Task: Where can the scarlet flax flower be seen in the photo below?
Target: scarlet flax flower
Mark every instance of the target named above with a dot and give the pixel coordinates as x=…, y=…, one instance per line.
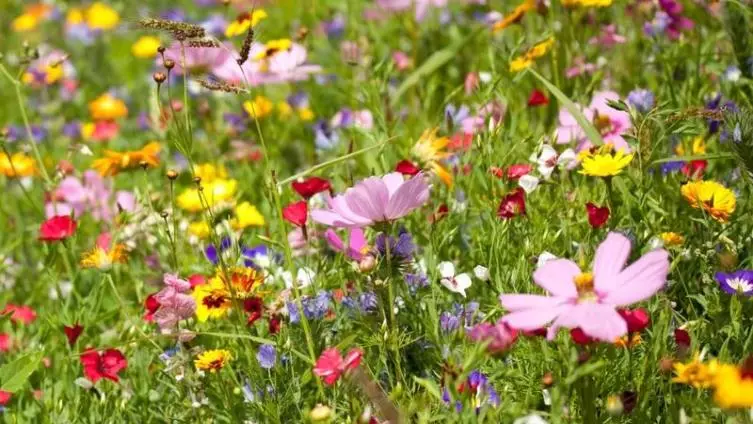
x=589, y=300
x=407, y=167
x=331, y=365
x=296, y=213
x=73, y=332
x=537, y=98
x=597, y=215
x=311, y=186
x=57, y=228
x=513, y=204
x=107, y=364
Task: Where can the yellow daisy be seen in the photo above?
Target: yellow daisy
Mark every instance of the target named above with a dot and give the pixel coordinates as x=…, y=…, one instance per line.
x=114, y=162
x=526, y=60
x=214, y=192
x=672, y=239
x=514, y=16
x=243, y=22
x=586, y=3
x=146, y=47
x=695, y=373
x=259, y=108
x=103, y=259
x=429, y=150
x=734, y=386
x=101, y=16
x=106, y=107
x=716, y=199
x=212, y=360
x=213, y=300
x=17, y=165
x=247, y=215
x=605, y=164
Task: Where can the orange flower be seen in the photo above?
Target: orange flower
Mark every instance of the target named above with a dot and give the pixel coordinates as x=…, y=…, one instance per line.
x=107, y=107
x=514, y=16
x=114, y=162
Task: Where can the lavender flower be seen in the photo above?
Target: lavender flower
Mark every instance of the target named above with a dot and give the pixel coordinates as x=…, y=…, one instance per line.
x=401, y=249
x=367, y=302
x=641, y=99
x=267, y=356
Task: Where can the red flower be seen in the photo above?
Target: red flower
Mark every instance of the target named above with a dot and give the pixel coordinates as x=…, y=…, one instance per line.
x=73, y=333
x=537, y=98
x=682, y=338
x=407, y=167
x=22, y=314
x=5, y=342
x=103, y=365
x=331, y=364
x=57, y=228
x=539, y=332
x=197, y=280
x=497, y=171
x=311, y=186
x=597, y=216
x=274, y=324
x=513, y=204
x=637, y=320
x=695, y=168
x=5, y=397
x=255, y=307
x=296, y=213
x=515, y=171
x=460, y=141
x=152, y=305
x=579, y=337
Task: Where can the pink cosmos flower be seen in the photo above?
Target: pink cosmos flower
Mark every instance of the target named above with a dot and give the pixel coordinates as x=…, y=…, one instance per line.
x=374, y=200
x=91, y=193
x=589, y=300
x=175, y=304
x=200, y=60
x=357, y=245
x=611, y=123
x=275, y=68
x=331, y=365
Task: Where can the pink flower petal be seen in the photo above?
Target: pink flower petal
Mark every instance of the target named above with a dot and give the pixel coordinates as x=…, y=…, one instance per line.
x=640, y=280
x=610, y=259
x=557, y=277
x=532, y=319
x=518, y=302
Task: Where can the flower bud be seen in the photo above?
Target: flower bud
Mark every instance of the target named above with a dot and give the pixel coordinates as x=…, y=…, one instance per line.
x=367, y=263
x=169, y=64
x=159, y=77
x=172, y=174
x=320, y=413
x=614, y=405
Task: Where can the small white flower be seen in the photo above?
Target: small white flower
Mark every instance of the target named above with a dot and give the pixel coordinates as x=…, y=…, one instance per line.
x=528, y=183
x=84, y=383
x=304, y=277
x=481, y=272
x=485, y=77
x=549, y=159
x=454, y=283
x=544, y=257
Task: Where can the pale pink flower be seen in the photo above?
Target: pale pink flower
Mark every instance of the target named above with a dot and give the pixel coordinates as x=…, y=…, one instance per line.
x=357, y=246
x=608, y=37
x=279, y=67
x=199, y=60
x=421, y=6
x=92, y=194
x=374, y=200
x=175, y=304
x=580, y=67
x=611, y=123
x=589, y=301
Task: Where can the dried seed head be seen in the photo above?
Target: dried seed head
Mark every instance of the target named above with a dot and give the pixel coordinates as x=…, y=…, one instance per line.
x=197, y=180
x=179, y=30
x=246, y=48
x=159, y=77
x=172, y=174
x=163, y=214
x=203, y=43
x=169, y=64
x=219, y=86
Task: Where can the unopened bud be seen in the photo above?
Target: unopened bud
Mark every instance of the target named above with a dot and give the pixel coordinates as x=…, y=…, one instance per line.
x=172, y=174
x=547, y=380
x=161, y=49
x=666, y=365
x=367, y=263
x=614, y=405
x=320, y=413
x=164, y=214
x=169, y=64
x=159, y=77
x=197, y=180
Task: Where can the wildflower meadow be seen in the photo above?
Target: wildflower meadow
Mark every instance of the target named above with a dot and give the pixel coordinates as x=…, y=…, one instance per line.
x=376, y=211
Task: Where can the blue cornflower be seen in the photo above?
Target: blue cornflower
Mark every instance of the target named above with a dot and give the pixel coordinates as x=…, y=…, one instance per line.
x=267, y=356
x=367, y=301
x=641, y=99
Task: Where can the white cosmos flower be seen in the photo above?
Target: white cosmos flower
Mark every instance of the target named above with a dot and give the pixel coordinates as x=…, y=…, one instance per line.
x=549, y=159
x=528, y=183
x=454, y=283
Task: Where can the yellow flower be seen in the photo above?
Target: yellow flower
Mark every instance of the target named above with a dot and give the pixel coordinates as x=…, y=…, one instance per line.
x=605, y=164
x=243, y=281
x=716, y=199
x=114, y=162
x=698, y=148
x=53, y=72
x=306, y=114
x=102, y=259
x=101, y=16
x=199, y=229
x=672, y=239
x=146, y=47
x=18, y=165
x=429, y=149
x=244, y=21
x=695, y=373
x=628, y=341
x=215, y=192
x=734, y=386
x=527, y=59
x=514, y=16
x=208, y=172
x=246, y=215
x=212, y=360
x=272, y=47
x=32, y=16
x=213, y=300
x=586, y=3
x=284, y=109
x=75, y=16
x=106, y=107
x=259, y=107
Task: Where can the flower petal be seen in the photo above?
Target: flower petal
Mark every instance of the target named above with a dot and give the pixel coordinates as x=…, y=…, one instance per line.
x=557, y=277
x=532, y=319
x=610, y=259
x=640, y=280
x=517, y=302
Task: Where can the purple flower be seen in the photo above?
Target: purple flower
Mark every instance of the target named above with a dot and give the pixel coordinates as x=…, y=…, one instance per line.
x=72, y=129
x=334, y=27
x=448, y=322
x=367, y=302
x=267, y=356
x=374, y=200
x=641, y=99
x=324, y=136
x=401, y=249
x=213, y=254
x=738, y=282
x=257, y=256
x=416, y=281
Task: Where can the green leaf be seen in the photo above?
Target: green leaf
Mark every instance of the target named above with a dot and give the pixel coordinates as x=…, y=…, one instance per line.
x=583, y=371
x=430, y=387
x=14, y=375
x=587, y=127
x=693, y=157
x=434, y=62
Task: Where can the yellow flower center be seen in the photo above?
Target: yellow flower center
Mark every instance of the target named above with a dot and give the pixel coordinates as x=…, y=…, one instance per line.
x=584, y=284
x=603, y=124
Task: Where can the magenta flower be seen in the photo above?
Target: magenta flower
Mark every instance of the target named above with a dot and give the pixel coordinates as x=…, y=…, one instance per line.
x=500, y=336
x=357, y=246
x=611, y=123
x=374, y=200
x=589, y=300
x=175, y=304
